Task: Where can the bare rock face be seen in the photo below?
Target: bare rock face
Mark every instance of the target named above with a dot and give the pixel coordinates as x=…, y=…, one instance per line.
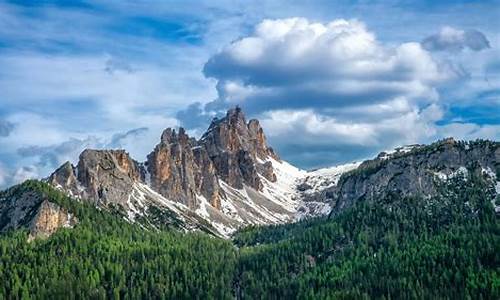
x=107, y=175
x=48, y=219
x=232, y=157
x=180, y=170
x=231, y=150
x=417, y=172
x=26, y=208
x=102, y=176
x=64, y=177
x=237, y=149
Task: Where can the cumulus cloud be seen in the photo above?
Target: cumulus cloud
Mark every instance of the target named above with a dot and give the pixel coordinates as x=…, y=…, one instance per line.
x=454, y=40
x=297, y=63
x=331, y=87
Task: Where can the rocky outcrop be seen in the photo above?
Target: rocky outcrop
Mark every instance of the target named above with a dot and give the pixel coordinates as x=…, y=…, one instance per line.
x=102, y=176
x=238, y=150
x=48, y=219
x=414, y=172
x=232, y=150
x=64, y=178
x=107, y=175
x=22, y=207
x=181, y=170
x=231, y=157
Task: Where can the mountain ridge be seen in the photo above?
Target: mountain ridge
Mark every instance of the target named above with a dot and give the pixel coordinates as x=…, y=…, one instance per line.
x=230, y=178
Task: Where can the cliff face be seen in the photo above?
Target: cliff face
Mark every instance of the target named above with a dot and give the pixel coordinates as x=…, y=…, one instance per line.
x=416, y=171
x=48, y=219
x=26, y=208
x=180, y=170
x=232, y=150
x=102, y=176
x=214, y=176
x=238, y=150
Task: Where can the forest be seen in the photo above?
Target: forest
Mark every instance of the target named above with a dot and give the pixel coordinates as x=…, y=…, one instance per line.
x=442, y=247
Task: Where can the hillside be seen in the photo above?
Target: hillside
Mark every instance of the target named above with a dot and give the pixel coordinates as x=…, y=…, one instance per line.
x=399, y=247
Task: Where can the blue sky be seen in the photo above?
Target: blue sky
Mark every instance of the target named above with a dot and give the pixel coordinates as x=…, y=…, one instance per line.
x=331, y=81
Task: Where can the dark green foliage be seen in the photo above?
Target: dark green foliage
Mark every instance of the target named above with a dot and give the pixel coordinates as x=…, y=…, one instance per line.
x=444, y=247
x=106, y=257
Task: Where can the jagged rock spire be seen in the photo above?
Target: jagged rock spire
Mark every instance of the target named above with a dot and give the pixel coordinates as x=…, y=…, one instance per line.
x=180, y=167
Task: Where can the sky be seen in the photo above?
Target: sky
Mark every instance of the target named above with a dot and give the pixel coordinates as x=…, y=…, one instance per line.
x=331, y=81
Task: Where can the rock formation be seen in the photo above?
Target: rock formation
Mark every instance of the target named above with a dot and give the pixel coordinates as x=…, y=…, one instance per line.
x=48, y=219
x=232, y=156
x=230, y=177
x=231, y=150
x=415, y=171
x=102, y=176
x=32, y=210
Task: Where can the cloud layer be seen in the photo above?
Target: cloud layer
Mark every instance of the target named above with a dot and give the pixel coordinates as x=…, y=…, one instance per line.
x=295, y=63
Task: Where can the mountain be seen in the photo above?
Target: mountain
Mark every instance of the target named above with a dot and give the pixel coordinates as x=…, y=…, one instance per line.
x=227, y=179
x=420, y=221
x=419, y=170
x=230, y=178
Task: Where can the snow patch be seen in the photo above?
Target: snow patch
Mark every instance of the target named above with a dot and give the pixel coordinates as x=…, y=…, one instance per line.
x=325, y=178
x=461, y=172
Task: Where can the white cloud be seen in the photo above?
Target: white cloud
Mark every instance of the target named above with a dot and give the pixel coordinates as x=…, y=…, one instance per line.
x=339, y=63
x=331, y=85
x=470, y=131
x=330, y=68
x=307, y=127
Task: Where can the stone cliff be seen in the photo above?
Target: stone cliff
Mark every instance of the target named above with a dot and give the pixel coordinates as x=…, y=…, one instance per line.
x=416, y=171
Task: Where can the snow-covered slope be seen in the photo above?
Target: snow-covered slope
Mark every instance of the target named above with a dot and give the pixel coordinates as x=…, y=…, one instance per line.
x=311, y=186
x=278, y=202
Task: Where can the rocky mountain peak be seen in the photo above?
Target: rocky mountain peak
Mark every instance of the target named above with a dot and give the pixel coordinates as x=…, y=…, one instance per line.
x=231, y=163
x=170, y=136
x=231, y=150
x=232, y=133
x=417, y=170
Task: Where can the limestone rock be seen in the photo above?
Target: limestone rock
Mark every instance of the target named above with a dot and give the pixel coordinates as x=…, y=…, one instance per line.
x=231, y=150
x=237, y=149
x=180, y=170
x=20, y=207
x=65, y=178
x=414, y=172
x=48, y=219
